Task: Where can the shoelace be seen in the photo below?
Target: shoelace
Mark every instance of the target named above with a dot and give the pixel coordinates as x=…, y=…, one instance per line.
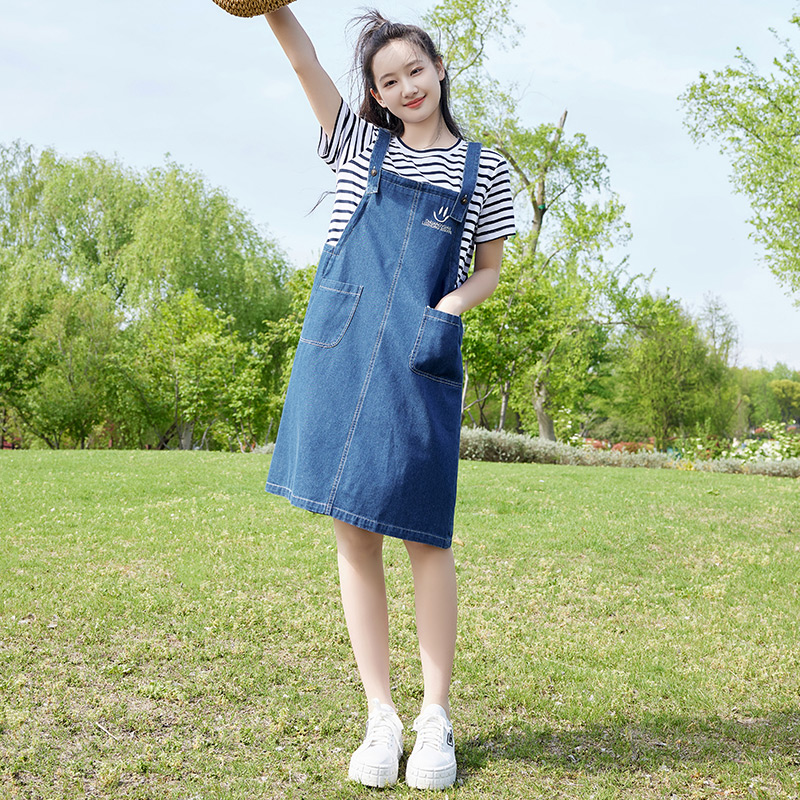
x=380, y=730
x=432, y=731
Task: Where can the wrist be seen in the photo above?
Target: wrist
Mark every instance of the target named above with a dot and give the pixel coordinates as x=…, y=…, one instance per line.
x=450, y=305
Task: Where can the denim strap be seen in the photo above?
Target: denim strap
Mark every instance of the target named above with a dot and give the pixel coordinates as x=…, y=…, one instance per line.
x=470, y=180
x=376, y=163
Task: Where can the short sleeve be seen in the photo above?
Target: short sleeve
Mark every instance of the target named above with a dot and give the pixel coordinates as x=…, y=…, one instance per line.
x=496, y=220
x=351, y=136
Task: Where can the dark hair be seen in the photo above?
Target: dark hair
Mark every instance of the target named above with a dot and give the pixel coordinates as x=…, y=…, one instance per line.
x=376, y=32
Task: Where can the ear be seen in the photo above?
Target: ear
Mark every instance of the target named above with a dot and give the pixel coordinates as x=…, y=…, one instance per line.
x=440, y=70
x=377, y=98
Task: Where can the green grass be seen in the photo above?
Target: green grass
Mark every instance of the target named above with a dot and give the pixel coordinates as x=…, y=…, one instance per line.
x=168, y=630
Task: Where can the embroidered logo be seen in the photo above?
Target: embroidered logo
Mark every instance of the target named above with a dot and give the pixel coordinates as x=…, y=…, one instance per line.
x=441, y=215
x=439, y=220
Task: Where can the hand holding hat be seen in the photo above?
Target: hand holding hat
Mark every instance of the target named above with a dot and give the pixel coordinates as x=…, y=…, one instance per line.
x=251, y=8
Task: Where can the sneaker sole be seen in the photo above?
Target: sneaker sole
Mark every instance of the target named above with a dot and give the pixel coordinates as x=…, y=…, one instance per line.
x=368, y=775
x=431, y=778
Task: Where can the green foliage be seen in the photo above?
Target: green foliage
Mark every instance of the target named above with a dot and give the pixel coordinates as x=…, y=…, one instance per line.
x=665, y=372
x=465, y=28
x=278, y=342
x=538, y=343
x=189, y=236
x=758, y=400
x=753, y=116
x=131, y=305
x=71, y=348
x=787, y=396
x=775, y=444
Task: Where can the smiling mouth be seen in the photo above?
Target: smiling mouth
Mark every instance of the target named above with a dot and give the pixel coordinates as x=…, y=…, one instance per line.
x=415, y=103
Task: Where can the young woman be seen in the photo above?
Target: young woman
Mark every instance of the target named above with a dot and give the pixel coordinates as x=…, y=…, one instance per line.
x=370, y=430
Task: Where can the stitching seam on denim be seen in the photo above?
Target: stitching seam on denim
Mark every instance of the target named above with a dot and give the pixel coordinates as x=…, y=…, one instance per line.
x=357, y=296
x=367, y=379
x=412, y=358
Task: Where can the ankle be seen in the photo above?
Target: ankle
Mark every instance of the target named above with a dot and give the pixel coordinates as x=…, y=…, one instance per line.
x=381, y=699
x=442, y=702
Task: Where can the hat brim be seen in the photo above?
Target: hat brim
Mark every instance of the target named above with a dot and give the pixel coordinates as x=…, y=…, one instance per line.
x=251, y=8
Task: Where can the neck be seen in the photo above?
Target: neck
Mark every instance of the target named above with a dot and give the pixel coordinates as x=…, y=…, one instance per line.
x=428, y=134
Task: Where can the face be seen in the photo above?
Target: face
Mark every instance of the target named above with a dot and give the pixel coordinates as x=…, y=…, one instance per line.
x=407, y=81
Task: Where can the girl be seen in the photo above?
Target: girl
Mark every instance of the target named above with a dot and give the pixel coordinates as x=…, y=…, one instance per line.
x=370, y=430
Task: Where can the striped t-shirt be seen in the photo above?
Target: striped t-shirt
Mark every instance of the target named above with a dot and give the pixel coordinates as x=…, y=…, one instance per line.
x=349, y=150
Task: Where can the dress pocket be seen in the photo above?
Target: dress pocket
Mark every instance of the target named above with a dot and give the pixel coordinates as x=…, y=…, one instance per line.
x=437, y=350
x=330, y=311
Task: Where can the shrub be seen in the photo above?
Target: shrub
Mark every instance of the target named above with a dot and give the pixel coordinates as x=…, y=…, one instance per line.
x=633, y=447
x=788, y=468
x=479, y=444
x=772, y=442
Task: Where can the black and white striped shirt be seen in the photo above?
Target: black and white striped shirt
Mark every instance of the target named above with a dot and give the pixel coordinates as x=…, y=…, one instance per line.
x=349, y=150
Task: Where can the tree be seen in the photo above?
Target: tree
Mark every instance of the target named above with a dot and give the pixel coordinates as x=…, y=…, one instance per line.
x=754, y=118
x=723, y=401
x=787, y=395
x=89, y=253
x=759, y=404
x=183, y=365
x=665, y=373
x=191, y=236
x=527, y=338
x=60, y=373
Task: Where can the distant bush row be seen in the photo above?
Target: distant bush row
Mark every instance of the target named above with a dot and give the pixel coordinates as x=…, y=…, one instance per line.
x=479, y=444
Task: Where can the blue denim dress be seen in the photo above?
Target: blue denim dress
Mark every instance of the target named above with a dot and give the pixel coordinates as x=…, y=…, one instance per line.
x=370, y=429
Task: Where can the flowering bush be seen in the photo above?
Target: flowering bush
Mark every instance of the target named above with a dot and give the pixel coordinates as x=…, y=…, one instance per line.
x=634, y=447
x=770, y=442
x=770, y=457
x=595, y=444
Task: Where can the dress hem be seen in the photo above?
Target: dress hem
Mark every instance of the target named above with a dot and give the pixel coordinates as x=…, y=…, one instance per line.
x=360, y=521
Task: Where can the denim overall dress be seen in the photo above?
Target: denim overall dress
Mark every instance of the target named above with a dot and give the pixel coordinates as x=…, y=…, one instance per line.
x=370, y=429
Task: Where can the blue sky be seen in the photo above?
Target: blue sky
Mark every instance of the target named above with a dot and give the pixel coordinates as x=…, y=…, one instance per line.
x=140, y=80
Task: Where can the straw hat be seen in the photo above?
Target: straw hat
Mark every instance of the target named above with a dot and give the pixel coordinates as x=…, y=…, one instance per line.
x=251, y=8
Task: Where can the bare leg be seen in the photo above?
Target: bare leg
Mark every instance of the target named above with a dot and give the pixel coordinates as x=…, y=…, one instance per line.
x=360, y=555
x=437, y=610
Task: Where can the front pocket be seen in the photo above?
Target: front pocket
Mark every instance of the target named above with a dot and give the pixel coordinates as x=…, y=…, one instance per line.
x=329, y=313
x=437, y=350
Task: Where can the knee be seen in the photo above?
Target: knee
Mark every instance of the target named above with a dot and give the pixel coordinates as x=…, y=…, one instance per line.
x=419, y=552
x=356, y=544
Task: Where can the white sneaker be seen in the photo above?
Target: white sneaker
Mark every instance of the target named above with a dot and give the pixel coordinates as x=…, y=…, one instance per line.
x=375, y=761
x=432, y=763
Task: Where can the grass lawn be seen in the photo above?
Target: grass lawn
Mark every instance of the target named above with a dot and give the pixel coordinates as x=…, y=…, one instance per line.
x=168, y=630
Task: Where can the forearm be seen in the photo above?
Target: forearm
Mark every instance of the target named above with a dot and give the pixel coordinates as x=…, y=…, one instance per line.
x=479, y=286
x=292, y=38
x=321, y=91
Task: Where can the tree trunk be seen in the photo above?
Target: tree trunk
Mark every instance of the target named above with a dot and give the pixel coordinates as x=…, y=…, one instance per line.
x=165, y=437
x=501, y=425
x=546, y=427
x=186, y=433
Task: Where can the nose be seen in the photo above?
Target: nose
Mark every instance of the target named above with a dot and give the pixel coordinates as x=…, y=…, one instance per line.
x=409, y=87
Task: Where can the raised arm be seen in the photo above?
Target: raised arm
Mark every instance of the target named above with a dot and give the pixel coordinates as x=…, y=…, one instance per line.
x=320, y=90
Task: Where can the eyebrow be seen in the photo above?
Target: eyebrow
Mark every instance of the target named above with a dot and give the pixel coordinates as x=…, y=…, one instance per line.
x=411, y=63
